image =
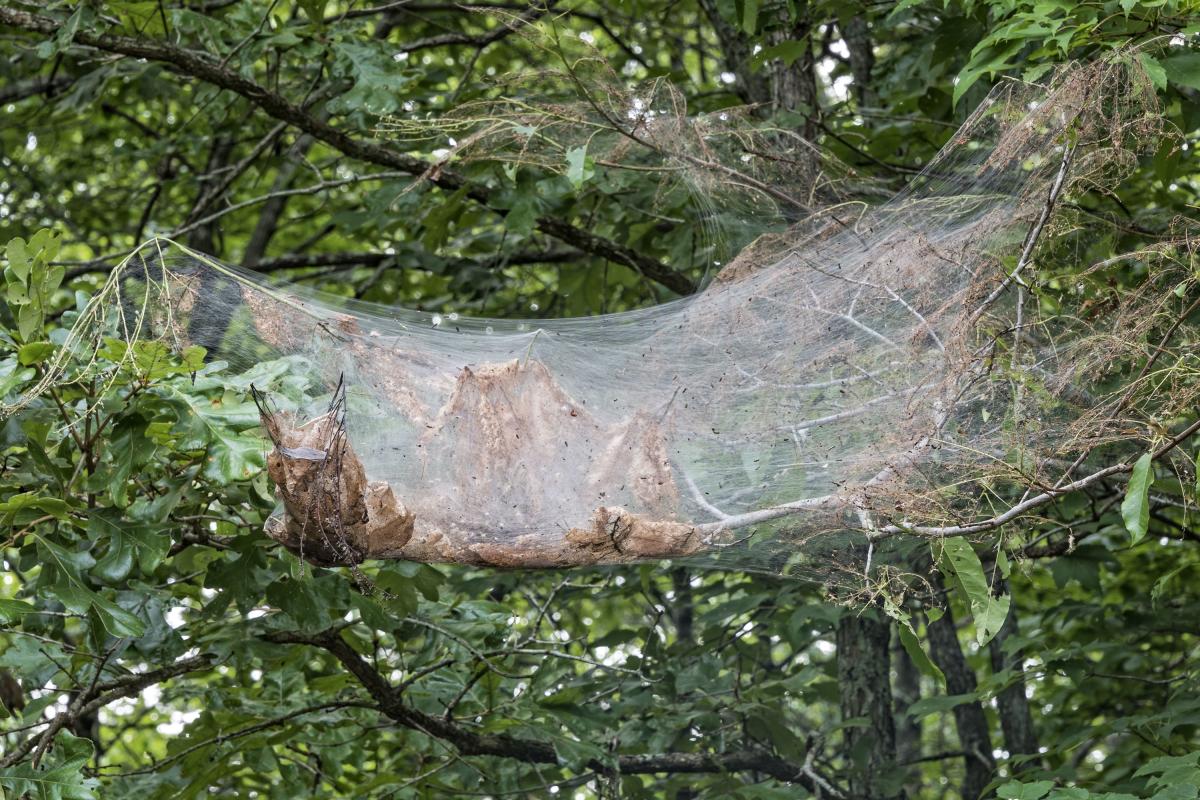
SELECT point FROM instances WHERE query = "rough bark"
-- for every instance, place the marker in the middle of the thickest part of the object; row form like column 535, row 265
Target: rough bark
column 683, row 607
column 794, row 86
column 865, row 683
column 779, row 85
column 736, row 47
column 1016, row 720
column 969, row 718
column 857, row 36
column 907, row 690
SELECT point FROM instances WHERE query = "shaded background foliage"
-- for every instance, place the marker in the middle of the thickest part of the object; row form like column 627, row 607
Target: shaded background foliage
column 156, row 644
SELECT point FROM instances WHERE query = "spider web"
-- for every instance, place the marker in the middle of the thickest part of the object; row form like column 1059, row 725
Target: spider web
column 861, row 379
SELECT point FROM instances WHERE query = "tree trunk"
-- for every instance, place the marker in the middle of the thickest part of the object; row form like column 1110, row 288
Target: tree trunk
column 683, row 609
column 864, row 678
column 1016, row 720
column 207, row 330
column 973, row 736
column 736, row 47
column 907, row 691
column 782, row 86
column 857, row 36
column 268, row 218
column 204, row 237
column 794, row 86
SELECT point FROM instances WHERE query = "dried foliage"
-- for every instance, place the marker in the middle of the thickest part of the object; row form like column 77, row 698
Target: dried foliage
column 859, row 378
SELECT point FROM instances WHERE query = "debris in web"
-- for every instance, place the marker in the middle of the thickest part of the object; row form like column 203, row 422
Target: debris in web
column 861, row 377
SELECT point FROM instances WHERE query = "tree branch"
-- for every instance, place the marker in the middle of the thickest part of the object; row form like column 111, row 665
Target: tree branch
column 266, row 724
column 130, row 685
column 209, row 197
column 470, row 743
column 374, row 259
column 17, row 92
column 1037, row 500
column 533, row 12
column 101, row 694
column 272, row 210
column 203, row 67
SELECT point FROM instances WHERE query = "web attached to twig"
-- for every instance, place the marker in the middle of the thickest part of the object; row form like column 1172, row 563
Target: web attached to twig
column 850, row 383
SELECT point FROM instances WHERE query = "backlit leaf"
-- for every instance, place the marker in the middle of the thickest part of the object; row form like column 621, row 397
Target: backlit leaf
column 1135, row 508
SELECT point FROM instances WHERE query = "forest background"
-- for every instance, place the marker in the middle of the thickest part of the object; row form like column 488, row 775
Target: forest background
column 154, row 643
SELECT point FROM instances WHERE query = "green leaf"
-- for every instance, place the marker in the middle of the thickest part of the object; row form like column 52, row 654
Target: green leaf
column 129, row 449
column 314, row 10
column 18, row 258
column 13, row 379
column 1154, row 70
column 522, row 216
column 1135, row 508
column 1016, row 790
column 965, row 80
column 31, row 280
column 63, row 781
column 766, row 724
column 912, row 646
column 1162, row 587
column 938, row 704
column 13, row 610
column 116, row 620
column 1083, row 566
column 787, row 52
column 77, row 597
column 378, row 79
column 580, row 167
column 438, row 220
column 117, row 562
column 373, row 613
column 576, row 755
column 302, row 600
column 26, row 502
column 1172, row 769
column 401, row 595
column 127, row 543
column 903, row 4
column 151, row 546
column 45, row 244
column 1183, row 69
column 66, row 33
column 233, row 457
column 908, row 638
column 34, row 353
column 29, row 320
column 988, row 610
column 750, row 16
